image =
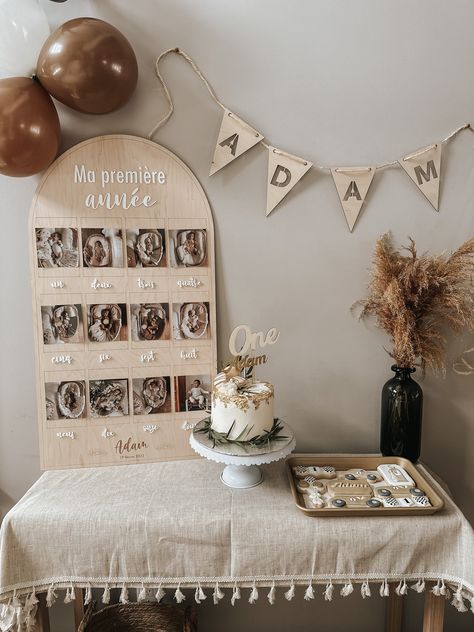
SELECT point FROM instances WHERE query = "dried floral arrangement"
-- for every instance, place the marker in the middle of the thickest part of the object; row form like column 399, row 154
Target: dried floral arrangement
column 414, row 298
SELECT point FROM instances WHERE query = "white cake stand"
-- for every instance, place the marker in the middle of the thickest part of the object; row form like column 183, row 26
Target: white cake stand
column 242, row 469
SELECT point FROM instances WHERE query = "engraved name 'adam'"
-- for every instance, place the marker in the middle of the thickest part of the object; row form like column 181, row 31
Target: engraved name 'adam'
column 123, row 200
column 129, row 446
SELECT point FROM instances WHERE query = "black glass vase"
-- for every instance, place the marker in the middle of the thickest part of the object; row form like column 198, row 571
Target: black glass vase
column 402, row 409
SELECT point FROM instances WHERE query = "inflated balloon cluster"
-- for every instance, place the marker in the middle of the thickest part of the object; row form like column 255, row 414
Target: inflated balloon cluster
column 87, row 64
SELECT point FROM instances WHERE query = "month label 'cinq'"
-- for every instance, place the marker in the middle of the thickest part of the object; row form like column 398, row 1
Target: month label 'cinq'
column 66, row 435
column 61, row 359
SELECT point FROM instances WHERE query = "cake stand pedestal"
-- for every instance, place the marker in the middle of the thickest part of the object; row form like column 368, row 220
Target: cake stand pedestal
column 242, row 464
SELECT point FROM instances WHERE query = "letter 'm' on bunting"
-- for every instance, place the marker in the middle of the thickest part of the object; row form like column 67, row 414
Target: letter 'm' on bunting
column 234, row 139
column 352, row 185
column 284, row 171
column 424, row 168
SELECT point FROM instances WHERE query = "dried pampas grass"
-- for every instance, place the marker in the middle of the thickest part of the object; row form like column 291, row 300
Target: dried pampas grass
column 414, row 298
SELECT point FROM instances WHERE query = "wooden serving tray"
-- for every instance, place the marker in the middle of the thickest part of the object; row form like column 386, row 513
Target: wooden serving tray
column 365, row 462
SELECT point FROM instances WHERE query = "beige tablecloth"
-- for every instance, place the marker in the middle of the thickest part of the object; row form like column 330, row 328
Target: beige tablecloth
column 164, row 527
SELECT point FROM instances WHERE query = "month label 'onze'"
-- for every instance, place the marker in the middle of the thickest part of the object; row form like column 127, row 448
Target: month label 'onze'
column 191, row 282
column 61, row 359
column 100, row 285
column 66, row 435
column 57, row 284
column 192, row 354
column 145, row 284
column 104, row 357
column 149, row 356
column 150, row 428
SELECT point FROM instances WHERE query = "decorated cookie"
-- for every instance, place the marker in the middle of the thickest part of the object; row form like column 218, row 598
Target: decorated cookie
column 325, row 471
column 394, row 474
column 309, row 483
column 358, row 501
column 343, row 487
column 422, row 501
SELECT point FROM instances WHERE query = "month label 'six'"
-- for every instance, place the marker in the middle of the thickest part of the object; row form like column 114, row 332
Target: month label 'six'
column 100, row 285
column 103, row 357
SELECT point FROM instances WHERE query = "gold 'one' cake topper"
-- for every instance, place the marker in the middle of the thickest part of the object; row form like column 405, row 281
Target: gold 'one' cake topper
column 241, row 351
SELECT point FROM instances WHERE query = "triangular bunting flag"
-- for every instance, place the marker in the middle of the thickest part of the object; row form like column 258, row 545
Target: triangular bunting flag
column 352, row 184
column 424, row 168
column 284, row 171
column 235, row 138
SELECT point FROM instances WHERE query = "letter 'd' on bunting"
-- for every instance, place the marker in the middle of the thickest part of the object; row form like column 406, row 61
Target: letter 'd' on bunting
column 235, row 138
column 424, row 168
column 352, row 184
column 284, row 171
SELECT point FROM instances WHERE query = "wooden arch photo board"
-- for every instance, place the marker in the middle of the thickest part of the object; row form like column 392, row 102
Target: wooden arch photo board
column 122, row 268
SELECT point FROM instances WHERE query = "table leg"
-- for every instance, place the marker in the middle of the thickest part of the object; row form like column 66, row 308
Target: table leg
column 394, row 612
column 78, row 607
column 42, row 615
column 434, row 612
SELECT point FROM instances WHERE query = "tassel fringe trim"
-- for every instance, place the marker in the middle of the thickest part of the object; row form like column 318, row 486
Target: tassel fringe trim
column 18, row 613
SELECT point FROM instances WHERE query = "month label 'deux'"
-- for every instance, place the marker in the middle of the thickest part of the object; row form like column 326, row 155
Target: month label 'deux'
column 61, row 359
column 100, row 285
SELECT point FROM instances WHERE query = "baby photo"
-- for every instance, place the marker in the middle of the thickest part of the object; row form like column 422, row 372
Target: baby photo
column 151, row 395
column 62, row 324
column 190, row 321
column 150, row 321
column 146, row 248
column 57, row 247
column 188, row 248
column 192, row 392
column 65, row 400
column 108, row 398
column 102, row 247
column 107, row 323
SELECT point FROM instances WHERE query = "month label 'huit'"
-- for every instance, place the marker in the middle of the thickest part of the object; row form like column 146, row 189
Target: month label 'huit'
column 123, row 269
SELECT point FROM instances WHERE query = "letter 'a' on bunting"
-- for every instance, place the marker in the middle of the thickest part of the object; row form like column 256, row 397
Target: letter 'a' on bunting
column 234, row 139
column 352, row 185
column 424, row 168
column 284, row 171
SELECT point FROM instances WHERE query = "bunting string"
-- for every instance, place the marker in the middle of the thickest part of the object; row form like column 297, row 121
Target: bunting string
column 236, row 136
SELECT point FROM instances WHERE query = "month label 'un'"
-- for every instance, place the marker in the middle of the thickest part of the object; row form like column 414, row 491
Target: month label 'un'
column 149, row 356
column 192, row 354
column 57, row 284
column 100, row 285
column 61, row 359
column 145, row 284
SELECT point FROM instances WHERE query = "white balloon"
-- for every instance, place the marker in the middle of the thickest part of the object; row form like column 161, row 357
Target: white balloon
column 23, row 30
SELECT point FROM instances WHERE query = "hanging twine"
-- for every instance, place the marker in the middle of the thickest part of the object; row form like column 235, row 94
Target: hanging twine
column 164, row 119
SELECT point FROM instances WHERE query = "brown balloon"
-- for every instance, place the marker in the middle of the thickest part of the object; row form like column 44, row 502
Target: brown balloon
column 29, row 127
column 88, row 65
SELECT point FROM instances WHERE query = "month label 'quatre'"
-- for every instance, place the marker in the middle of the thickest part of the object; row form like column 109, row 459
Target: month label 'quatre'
column 123, row 269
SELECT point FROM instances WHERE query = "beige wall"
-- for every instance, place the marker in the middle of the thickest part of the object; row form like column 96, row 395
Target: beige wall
column 338, row 82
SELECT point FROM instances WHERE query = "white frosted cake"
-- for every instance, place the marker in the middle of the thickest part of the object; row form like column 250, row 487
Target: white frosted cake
column 241, row 409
